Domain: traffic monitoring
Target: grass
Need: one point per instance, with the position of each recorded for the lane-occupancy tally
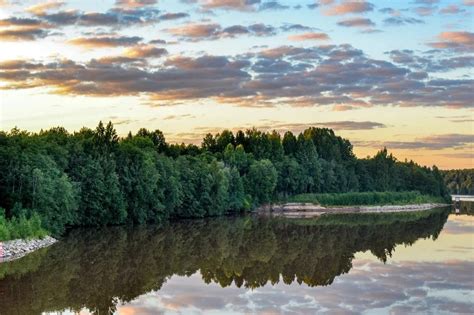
(21, 227)
(366, 198)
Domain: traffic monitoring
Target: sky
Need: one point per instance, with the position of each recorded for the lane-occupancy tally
(381, 73)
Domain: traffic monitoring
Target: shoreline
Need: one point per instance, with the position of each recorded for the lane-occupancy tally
(309, 210)
(18, 248)
(15, 249)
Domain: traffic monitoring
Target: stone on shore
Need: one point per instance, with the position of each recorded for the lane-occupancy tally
(309, 210)
(14, 249)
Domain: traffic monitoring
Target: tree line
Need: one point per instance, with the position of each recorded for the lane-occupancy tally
(93, 177)
(459, 182)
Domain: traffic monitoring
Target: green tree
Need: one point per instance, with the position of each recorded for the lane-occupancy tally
(261, 181)
(139, 180)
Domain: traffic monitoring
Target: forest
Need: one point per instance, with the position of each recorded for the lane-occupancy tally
(93, 177)
(460, 182)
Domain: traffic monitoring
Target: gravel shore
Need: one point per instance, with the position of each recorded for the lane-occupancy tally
(308, 210)
(11, 250)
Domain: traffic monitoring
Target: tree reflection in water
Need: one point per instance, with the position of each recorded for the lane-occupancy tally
(96, 269)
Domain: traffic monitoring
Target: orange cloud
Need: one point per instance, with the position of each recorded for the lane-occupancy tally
(356, 104)
(20, 34)
(349, 7)
(462, 41)
(194, 30)
(308, 36)
(228, 4)
(212, 31)
(135, 3)
(457, 37)
(41, 8)
(105, 41)
(145, 51)
(347, 78)
(18, 29)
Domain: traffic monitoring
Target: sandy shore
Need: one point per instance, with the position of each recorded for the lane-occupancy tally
(14, 249)
(308, 210)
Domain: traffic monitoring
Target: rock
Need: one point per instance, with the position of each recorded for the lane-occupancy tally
(14, 249)
(306, 210)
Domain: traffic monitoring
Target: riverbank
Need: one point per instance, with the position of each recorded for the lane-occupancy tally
(310, 210)
(371, 198)
(15, 249)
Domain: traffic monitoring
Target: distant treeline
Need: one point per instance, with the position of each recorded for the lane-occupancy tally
(93, 177)
(459, 181)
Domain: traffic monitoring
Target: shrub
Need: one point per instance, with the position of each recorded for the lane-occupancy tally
(21, 227)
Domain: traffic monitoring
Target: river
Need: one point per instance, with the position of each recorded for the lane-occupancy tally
(421, 262)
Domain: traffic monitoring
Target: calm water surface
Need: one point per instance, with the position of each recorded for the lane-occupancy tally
(375, 264)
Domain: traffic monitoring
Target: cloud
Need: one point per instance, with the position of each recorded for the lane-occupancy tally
(119, 61)
(308, 36)
(116, 17)
(295, 27)
(173, 16)
(158, 41)
(390, 11)
(117, 121)
(105, 41)
(176, 117)
(435, 142)
(425, 11)
(325, 2)
(22, 29)
(67, 17)
(41, 8)
(457, 41)
(213, 31)
(452, 9)
(356, 22)
(135, 3)
(400, 20)
(427, 2)
(23, 22)
(339, 76)
(349, 7)
(22, 34)
(239, 5)
(180, 78)
(272, 5)
(468, 155)
(243, 5)
(196, 30)
(145, 51)
(458, 119)
(352, 125)
(96, 19)
(430, 62)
